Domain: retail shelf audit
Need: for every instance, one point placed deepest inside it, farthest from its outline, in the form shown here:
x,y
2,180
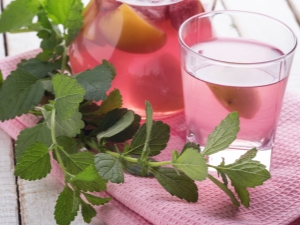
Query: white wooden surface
x,y
37,199
8,190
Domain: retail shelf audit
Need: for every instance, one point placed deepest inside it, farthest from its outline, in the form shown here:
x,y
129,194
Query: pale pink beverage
x,y
142,43
243,67
213,91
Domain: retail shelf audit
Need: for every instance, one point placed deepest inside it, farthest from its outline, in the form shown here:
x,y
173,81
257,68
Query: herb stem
x,y
55,145
156,164
53,126
135,160
61,163
215,167
64,56
117,155
64,60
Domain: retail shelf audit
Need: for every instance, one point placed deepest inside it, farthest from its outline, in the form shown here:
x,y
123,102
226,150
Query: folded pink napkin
x,y
143,200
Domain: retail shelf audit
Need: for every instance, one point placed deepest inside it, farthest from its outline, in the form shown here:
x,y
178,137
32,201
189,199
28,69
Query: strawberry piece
x,y
183,10
154,13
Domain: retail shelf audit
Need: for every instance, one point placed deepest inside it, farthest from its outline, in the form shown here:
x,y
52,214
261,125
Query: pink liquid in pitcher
x,y
142,44
214,90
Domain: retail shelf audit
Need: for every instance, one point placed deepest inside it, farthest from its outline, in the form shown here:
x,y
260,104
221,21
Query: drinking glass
x,y
242,66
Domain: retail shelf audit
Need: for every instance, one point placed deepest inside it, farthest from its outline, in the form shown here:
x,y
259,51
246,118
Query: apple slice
x,y
89,15
183,10
128,30
244,100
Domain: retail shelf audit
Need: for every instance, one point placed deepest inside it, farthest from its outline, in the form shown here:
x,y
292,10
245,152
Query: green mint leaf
x,y
223,175
47,84
192,163
1,79
96,81
223,135
176,183
93,113
68,13
28,136
65,127
95,200
38,68
109,167
44,20
243,195
112,68
160,135
225,189
51,46
250,154
119,126
224,179
69,127
149,120
190,145
67,206
22,93
98,184
70,146
88,174
33,5
90,115
113,101
77,163
245,173
135,168
72,34
12,19
64,12
34,163
68,95
110,119
175,155
87,211
127,133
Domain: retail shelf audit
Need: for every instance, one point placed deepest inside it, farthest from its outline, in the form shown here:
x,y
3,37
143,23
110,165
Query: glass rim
x,y
204,14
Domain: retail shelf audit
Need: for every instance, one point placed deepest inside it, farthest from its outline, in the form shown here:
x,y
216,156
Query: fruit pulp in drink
x,y
142,44
212,90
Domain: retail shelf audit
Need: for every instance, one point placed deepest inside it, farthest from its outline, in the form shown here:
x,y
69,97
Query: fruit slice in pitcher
x,y
126,29
244,100
89,14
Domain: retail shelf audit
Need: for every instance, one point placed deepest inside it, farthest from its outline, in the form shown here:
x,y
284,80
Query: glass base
x,y
238,148
230,155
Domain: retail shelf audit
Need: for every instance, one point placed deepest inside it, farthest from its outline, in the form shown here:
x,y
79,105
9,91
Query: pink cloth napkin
x,y
143,200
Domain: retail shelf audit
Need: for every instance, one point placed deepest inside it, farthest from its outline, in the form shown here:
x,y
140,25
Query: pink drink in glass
x,y
214,91
244,67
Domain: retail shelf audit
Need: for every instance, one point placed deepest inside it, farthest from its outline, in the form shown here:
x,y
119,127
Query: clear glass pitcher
x,y
139,37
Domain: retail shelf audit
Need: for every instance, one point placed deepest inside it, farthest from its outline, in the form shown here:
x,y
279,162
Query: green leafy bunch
x,y
93,139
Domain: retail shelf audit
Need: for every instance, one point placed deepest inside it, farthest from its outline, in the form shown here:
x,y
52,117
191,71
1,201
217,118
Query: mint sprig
x,y
34,163
11,19
22,91
95,143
